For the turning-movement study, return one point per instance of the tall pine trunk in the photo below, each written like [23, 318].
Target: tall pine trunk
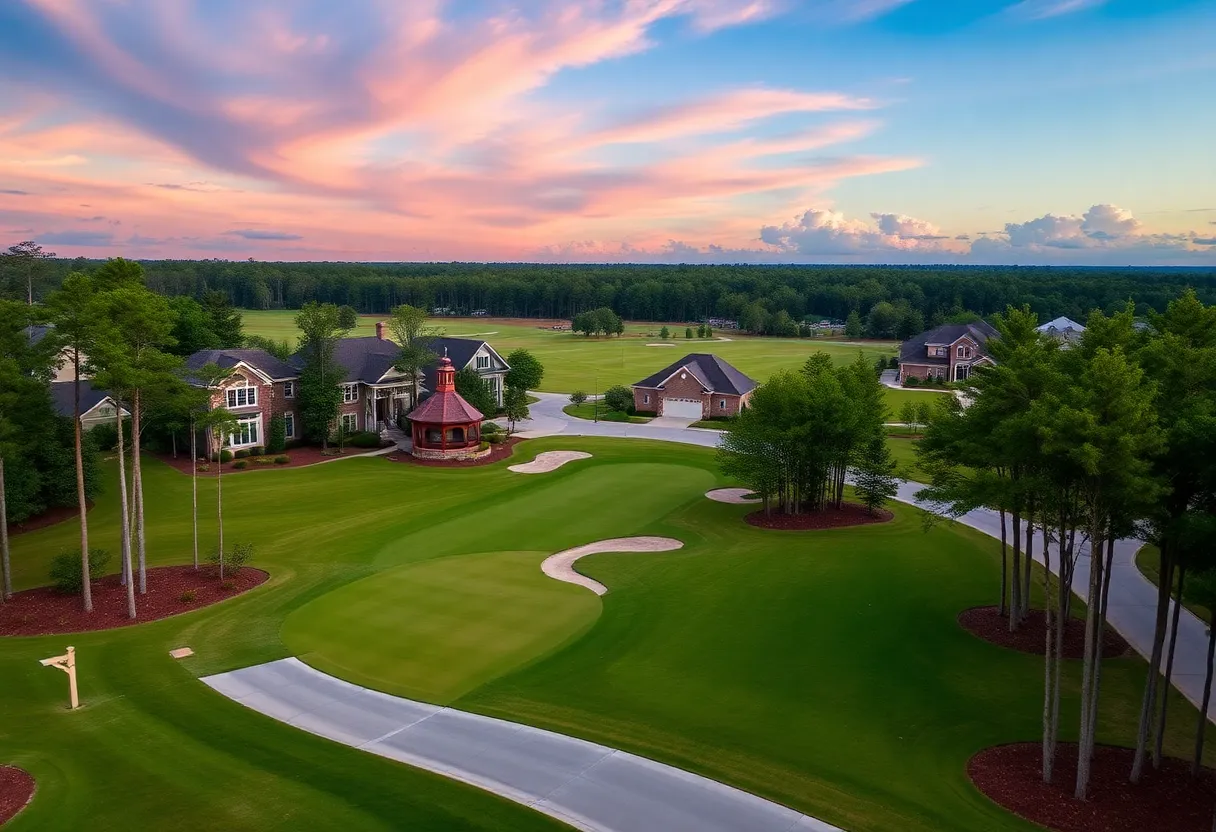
[125, 520]
[194, 489]
[86, 584]
[219, 503]
[6, 575]
[1164, 581]
[1201, 729]
[1159, 729]
[1004, 607]
[138, 483]
[1093, 608]
[1015, 607]
[1048, 742]
[1099, 636]
[1029, 561]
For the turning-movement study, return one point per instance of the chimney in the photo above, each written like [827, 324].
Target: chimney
[380, 330]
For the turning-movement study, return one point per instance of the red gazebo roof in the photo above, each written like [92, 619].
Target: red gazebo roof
[446, 406]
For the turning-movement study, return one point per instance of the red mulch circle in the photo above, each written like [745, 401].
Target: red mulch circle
[43, 611]
[849, 514]
[16, 790]
[497, 454]
[300, 457]
[987, 623]
[1166, 799]
[50, 517]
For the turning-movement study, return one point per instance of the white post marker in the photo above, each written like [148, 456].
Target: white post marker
[66, 663]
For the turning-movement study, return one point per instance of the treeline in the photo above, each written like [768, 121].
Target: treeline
[654, 292]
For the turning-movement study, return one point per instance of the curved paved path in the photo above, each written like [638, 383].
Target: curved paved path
[589, 786]
[560, 567]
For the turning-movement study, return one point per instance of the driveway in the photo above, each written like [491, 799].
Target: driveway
[589, 786]
[549, 420]
[670, 422]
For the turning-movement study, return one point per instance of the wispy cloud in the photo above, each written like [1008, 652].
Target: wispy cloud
[1043, 9]
[255, 234]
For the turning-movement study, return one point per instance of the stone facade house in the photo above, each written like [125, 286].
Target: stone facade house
[698, 386]
[948, 352]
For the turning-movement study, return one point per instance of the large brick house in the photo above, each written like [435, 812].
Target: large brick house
[374, 392]
[698, 386]
[948, 352]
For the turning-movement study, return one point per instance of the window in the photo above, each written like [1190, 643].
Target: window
[242, 397]
[289, 389]
[646, 398]
[350, 393]
[721, 404]
[246, 432]
[963, 352]
[289, 422]
[350, 422]
[483, 362]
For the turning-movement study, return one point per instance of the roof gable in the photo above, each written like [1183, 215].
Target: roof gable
[714, 373]
[259, 361]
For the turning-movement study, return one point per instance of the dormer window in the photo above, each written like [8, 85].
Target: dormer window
[937, 352]
[963, 352]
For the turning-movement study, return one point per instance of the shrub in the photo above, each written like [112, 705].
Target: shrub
[282, 459]
[262, 460]
[257, 450]
[225, 456]
[241, 464]
[484, 446]
[240, 556]
[65, 570]
[578, 397]
[242, 453]
[364, 439]
[911, 381]
[228, 585]
[202, 469]
[496, 438]
[277, 440]
[105, 436]
[187, 596]
[664, 334]
[490, 427]
[688, 332]
[618, 397]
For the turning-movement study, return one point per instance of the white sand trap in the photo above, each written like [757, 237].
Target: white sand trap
[660, 345]
[738, 496]
[548, 461]
[561, 566]
[720, 338]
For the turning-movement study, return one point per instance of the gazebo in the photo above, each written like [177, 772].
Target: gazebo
[445, 426]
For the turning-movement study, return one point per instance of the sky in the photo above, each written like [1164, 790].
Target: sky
[806, 131]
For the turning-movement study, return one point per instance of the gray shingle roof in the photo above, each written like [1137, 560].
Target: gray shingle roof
[259, 359]
[62, 395]
[460, 350]
[714, 374]
[913, 351]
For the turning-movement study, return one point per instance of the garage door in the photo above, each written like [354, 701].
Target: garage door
[682, 408]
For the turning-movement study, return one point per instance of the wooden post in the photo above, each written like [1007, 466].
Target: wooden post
[66, 663]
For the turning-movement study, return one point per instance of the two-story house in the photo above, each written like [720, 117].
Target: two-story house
[258, 388]
[948, 352]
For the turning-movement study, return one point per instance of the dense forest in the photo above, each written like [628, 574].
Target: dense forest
[652, 292]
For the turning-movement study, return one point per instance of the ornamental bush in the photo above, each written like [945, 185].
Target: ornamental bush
[618, 398]
[364, 439]
[282, 459]
[578, 397]
[241, 464]
[65, 570]
[242, 453]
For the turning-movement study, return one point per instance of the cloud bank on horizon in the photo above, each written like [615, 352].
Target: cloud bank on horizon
[898, 131]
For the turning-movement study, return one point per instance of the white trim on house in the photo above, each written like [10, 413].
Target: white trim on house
[249, 438]
[681, 369]
[353, 427]
[350, 392]
[265, 378]
[289, 388]
[289, 424]
[233, 395]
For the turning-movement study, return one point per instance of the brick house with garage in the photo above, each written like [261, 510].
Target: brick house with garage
[698, 386]
[948, 352]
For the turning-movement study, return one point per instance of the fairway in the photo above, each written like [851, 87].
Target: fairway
[574, 362]
[823, 670]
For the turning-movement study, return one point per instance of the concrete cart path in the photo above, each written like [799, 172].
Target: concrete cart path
[588, 786]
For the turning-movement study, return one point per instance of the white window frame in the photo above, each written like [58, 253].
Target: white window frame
[232, 396]
[963, 351]
[250, 426]
[350, 393]
[721, 404]
[353, 425]
[289, 389]
[645, 398]
[483, 362]
[289, 425]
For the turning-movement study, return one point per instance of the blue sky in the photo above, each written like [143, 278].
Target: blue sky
[994, 131]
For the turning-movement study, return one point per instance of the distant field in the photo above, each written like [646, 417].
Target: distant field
[574, 362]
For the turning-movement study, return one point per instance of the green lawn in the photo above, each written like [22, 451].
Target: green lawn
[589, 410]
[824, 670]
[897, 397]
[1148, 561]
[574, 362]
[904, 452]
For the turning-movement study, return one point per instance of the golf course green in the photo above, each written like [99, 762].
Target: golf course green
[824, 670]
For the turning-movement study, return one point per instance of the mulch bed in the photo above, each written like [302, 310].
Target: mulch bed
[16, 790]
[49, 517]
[1031, 636]
[43, 611]
[849, 514]
[1168, 799]
[300, 457]
[497, 454]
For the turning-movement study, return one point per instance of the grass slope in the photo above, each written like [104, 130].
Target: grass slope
[574, 362]
[824, 670]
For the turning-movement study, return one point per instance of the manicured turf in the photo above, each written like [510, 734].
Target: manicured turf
[574, 362]
[904, 453]
[824, 670]
[589, 410]
[1148, 561]
[896, 398]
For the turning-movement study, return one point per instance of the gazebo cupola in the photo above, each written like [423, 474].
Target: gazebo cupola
[445, 426]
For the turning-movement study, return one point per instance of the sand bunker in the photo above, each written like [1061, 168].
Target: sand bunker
[548, 461]
[561, 566]
[738, 496]
[660, 345]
